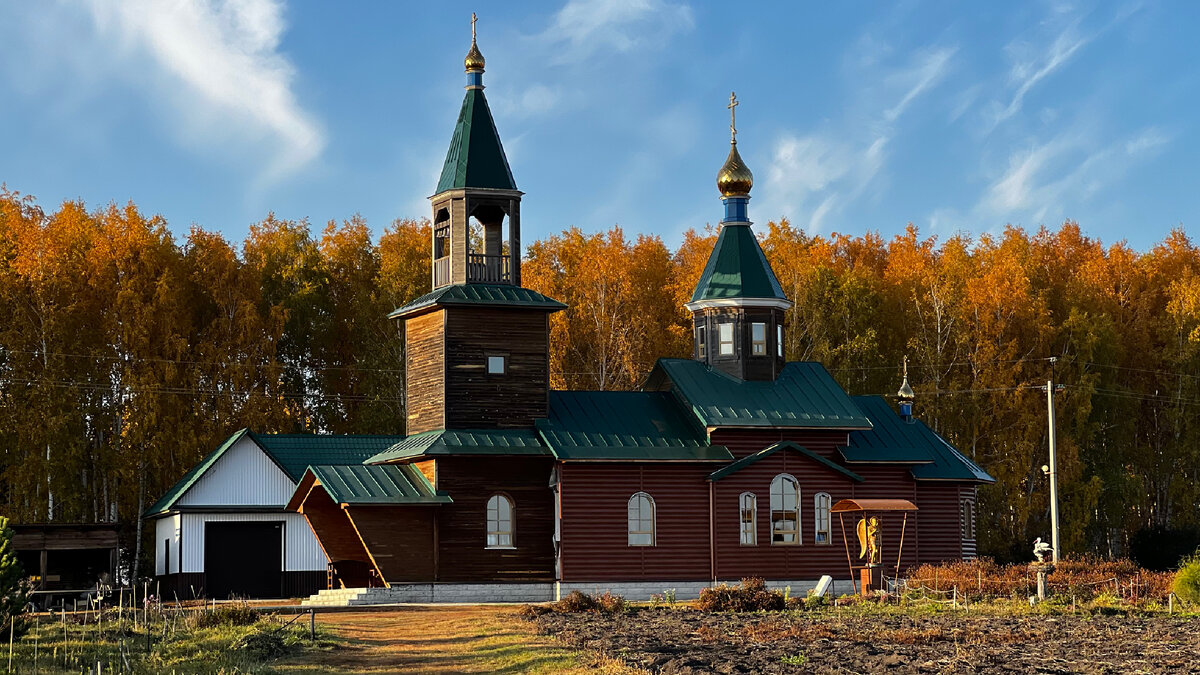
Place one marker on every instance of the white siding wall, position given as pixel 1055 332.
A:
pixel 301 550
pixel 244 476
pixel 166 530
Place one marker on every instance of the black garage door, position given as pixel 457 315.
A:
pixel 243 559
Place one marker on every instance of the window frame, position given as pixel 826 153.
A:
pixel 511 532
pixel 779 339
pixel 758 347
pixel 752 531
pixel 487 363
pixel 722 342
pixel 798 533
pixel 700 344
pixel 966 513
pixel 641 519
pixel 820 510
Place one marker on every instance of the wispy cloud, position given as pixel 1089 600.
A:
pixel 1027 72
pixel 813 177
pixel 231 83
pixel 582 27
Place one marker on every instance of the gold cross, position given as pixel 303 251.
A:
pixel 733 104
pixel 473 20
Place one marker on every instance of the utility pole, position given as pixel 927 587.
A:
pixel 1052 471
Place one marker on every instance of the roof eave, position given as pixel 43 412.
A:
pixel 777 303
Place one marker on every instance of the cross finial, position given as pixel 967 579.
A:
pixel 473 20
pixel 906 366
pixel 733 104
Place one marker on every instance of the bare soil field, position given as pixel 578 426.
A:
pixel 853 641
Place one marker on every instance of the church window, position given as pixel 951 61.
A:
pixel 726 338
pixel 749 513
pixel 497 364
pixel 779 339
pixel 499 522
pixel 641 520
pixel 758 339
pixel 821 504
pixel 700 346
pixel 968 519
pixel 785 510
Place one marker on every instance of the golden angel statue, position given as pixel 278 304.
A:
pixel 870 540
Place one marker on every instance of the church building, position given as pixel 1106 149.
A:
pixel 724 465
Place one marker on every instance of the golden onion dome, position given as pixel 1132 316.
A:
pixel 474 60
pixel 734 178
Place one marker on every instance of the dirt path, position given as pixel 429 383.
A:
pixel 475 639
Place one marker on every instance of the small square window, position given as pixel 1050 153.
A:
pixel 496 365
pixel 779 339
pixel 725 334
pixel 700 346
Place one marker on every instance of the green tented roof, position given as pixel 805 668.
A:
pixel 804 396
pixel 476 157
pixel 737 268
pixel 892 439
pixel 772 449
pixel 624 425
pixel 464 442
pixel 376 484
pixel 493 295
pixel 291 452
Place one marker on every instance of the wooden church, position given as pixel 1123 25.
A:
pixel 725 465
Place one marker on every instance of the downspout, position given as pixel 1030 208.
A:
pixel 712 539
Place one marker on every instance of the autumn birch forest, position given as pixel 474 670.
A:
pixel 126 354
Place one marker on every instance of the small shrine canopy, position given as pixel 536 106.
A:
pixel 850 505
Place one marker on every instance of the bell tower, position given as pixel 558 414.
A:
pixel 477 346
pixel 738 304
pixel 476 185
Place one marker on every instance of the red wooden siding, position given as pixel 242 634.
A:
pixel 399 537
pixel 742 442
pixel 334 531
pixel 595 544
pixel 940 521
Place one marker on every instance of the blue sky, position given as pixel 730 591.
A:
pixel 853 117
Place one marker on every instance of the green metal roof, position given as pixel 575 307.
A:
pixel 376 484
pixel 475 158
pixel 291 452
pixel 892 439
pixel 772 449
pixel 804 395
pixel 737 268
pixel 493 295
pixel 463 442
pixel 624 425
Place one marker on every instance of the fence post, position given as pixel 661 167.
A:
pixel 312 624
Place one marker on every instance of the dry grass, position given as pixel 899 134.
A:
pixel 455 639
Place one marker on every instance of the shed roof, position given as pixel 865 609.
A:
pixel 492 295
pixel 804 396
pixel 846 505
pixel 476 157
pixel 894 440
pixel 463 442
pixel 624 425
pixel 376 484
pixel 292 453
pixel 737 268
pixel 772 449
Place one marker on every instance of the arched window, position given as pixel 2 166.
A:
pixel 785 510
pixel 749 509
pixel 641 520
pixel 499 522
pixel 821 504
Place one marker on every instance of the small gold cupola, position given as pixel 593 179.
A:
pixel 734 179
pixel 474 60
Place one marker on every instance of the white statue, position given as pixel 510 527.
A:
pixel 1041 549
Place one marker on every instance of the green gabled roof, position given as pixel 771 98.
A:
pixel 463 442
pixel 295 452
pixel 492 295
pixel 892 439
pixel 376 484
pixel 292 453
pixel 476 157
pixel 623 425
pixel 772 449
pixel 737 268
pixel 804 396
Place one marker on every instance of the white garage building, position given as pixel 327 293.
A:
pixel 222 529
